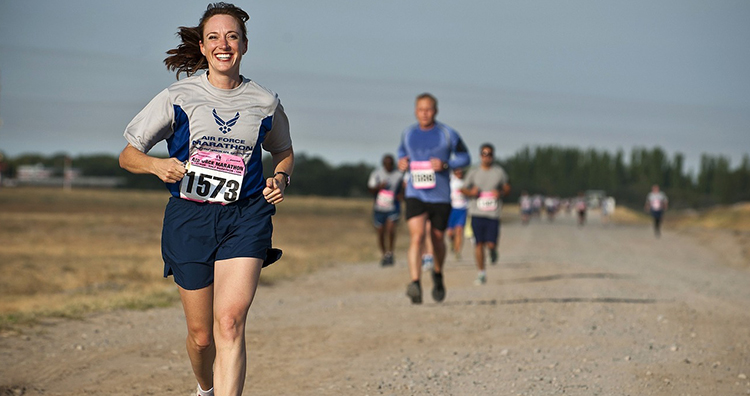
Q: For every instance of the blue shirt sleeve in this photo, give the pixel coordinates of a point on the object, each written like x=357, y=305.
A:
x=461, y=157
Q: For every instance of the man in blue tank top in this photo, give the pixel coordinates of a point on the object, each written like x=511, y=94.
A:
x=428, y=151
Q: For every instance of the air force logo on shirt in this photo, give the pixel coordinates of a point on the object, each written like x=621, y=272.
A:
x=225, y=126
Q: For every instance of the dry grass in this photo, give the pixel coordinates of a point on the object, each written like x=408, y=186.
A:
x=66, y=253
x=725, y=229
x=70, y=252
x=734, y=217
x=625, y=215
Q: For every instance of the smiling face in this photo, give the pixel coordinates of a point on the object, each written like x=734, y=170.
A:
x=223, y=45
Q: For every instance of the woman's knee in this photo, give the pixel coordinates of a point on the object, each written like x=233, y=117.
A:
x=230, y=326
x=201, y=338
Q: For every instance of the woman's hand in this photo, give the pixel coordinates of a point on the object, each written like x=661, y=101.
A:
x=274, y=191
x=169, y=170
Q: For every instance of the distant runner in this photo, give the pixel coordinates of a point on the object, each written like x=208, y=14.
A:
x=459, y=210
x=581, y=207
x=428, y=150
x=608, y=209
x=486, y=186
x=525, y=206
x=386, y=186
x=656, y=204
x=551, y=205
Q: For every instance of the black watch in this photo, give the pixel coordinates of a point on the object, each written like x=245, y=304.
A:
x=287, y=178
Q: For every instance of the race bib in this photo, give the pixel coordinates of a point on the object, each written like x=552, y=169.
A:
x=486, y=202
x=213, y=177
x=385, y=201
x=422, y=175
x=656, y=204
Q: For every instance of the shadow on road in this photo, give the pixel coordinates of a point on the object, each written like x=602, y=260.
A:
x=563, y=300
x=548, y=278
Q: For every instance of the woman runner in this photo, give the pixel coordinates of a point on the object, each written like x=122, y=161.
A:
x=217, y=225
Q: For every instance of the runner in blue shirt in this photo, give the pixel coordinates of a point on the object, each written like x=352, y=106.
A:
x=428, y=151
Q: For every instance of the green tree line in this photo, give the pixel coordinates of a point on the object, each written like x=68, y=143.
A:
x=547, y=170
x=562, y=171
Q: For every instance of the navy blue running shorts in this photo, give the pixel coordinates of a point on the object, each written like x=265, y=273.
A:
x=485, y=230
x=196, y=234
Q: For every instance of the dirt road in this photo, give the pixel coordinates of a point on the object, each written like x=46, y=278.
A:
x=576, y=311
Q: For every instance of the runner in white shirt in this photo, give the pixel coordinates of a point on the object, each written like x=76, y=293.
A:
x=459, y=210
x=656, y=204
x=217, y=225
x=608, y=209
x=525, y=206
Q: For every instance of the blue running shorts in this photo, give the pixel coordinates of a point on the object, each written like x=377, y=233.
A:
x=380, y=218
x=457, y=218
x=196, y=234
x=485, y=230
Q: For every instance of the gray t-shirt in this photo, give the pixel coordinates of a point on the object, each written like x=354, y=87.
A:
x=386, y=200
x=490, y=182
x=195, y=117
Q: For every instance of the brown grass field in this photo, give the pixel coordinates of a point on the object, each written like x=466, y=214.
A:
x=68, y=253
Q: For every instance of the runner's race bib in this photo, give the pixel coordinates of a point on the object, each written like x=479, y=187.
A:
x=422, y=175
x=656, y=204
x=213, y=177
x=487, y=202
x=385, y=201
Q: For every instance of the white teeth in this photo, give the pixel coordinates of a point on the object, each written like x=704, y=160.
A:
x=224, y=56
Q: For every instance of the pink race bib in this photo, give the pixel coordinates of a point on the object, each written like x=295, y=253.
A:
x=422, y=175
x=213, y=177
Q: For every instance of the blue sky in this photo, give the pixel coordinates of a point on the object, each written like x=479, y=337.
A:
x=592, y=74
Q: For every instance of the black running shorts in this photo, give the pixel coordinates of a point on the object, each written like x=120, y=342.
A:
x=437, y=213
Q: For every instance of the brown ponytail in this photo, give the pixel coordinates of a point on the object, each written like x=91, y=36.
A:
x=187, y=57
